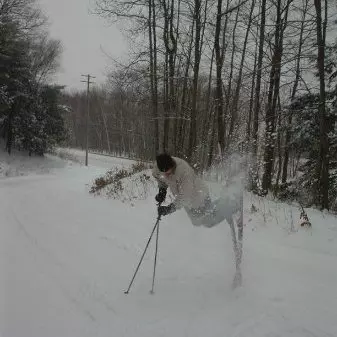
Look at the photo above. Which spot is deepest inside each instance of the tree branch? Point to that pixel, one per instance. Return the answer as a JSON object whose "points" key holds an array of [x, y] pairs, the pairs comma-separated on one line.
{"points": [[232, 9]]}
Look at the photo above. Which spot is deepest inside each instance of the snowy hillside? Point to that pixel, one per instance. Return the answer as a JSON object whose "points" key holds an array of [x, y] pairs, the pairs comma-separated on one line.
{"points": [[67, 256]]}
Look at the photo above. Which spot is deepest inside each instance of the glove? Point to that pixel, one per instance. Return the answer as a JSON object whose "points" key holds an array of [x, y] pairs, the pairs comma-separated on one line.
{"points": [[160, 197], [165, 210]]}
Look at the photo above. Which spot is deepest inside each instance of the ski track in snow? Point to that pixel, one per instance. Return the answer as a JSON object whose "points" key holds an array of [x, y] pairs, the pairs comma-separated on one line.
{"points": [[66, 258]]}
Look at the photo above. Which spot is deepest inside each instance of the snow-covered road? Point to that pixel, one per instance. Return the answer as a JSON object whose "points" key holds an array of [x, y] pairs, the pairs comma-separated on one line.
{"points": [[66, 258]]}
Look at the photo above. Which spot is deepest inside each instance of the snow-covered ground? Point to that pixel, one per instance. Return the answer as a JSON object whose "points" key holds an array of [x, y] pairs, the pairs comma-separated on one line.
{"points": [[66, 258]]}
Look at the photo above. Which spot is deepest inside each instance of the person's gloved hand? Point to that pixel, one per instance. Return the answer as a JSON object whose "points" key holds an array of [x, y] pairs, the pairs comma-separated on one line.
{"points": [[160, 197], [165, 210]]}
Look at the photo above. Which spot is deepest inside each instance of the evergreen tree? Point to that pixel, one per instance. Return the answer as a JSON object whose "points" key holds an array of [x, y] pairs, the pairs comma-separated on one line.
{"points": [[30, 114], [14, 76], [306, 138]]}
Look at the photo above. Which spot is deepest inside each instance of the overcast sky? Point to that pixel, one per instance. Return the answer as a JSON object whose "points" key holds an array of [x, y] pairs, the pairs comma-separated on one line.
{"points": [[82, 35]]}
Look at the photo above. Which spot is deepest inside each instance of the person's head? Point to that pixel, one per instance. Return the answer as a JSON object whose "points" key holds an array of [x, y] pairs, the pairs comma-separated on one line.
{"points": [[165, 163]]}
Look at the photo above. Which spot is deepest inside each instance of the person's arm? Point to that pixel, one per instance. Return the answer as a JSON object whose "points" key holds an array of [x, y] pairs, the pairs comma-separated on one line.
{"points": [[185, 186], [184, 181], [161, 196]]}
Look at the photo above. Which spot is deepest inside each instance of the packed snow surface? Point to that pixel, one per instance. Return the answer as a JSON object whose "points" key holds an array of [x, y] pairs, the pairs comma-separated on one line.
{"points": [[67, 256]]}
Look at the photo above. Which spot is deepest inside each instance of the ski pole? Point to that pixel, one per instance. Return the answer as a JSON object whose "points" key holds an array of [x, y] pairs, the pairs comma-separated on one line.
{"points": [[141, 259], [155, 260]]}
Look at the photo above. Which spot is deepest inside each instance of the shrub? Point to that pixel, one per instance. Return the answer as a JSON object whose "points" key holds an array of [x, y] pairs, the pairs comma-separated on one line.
{"points": [[113, 179]]}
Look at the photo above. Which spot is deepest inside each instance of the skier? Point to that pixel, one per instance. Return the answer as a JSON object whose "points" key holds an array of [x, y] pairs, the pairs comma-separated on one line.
{"points": [[191, 193]]}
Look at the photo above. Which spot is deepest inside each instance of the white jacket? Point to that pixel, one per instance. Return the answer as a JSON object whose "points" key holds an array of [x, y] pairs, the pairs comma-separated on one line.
{"points": [[189, 190]]}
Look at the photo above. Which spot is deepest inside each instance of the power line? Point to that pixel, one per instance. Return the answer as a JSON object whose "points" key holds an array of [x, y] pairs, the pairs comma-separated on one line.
{"points": [[88, 77]]}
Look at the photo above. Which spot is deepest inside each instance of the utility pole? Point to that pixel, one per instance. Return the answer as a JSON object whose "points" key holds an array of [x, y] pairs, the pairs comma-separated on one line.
{"points": [[88, 77]]}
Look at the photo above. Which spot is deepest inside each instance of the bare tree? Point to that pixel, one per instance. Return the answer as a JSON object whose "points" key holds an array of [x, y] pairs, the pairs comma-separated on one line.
{"points": [[153, 70], [182, 129], [170, 42], [196, 65], [45, 54], [239, 80], [26, 13], [322, 168], [219, 61], [256, 110], [294, 91], [230, 81], [273, 94]]}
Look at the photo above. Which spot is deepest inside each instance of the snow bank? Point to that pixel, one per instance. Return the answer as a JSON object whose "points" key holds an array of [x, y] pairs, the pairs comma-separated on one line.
{"points": [[20, 164]]}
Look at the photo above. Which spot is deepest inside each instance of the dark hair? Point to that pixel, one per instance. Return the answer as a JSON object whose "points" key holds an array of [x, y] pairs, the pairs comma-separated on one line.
{"points": [[165, 162]]}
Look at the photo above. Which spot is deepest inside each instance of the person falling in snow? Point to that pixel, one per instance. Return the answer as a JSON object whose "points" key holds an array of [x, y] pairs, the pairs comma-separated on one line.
{"points": [[190, 191]]}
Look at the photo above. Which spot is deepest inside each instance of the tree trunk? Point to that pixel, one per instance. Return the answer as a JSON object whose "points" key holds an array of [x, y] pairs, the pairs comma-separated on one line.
{"points": [[212, 143], [197, 56], [251, 103], [253, 171], [293, 94], [170, 43], [166, 106], [274, 89], [238, 86], [322, 169], [105, 126], [208, 126], [9, 130], [229, 90], [154, 77], [176, 121], [219, 59], [279, 147], [183, 104]]}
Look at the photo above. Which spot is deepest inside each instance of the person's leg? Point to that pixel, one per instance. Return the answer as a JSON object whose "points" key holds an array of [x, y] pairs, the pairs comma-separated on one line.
{"points": [[206, 215], [194, 217], [219, 210], [214, 212]]}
